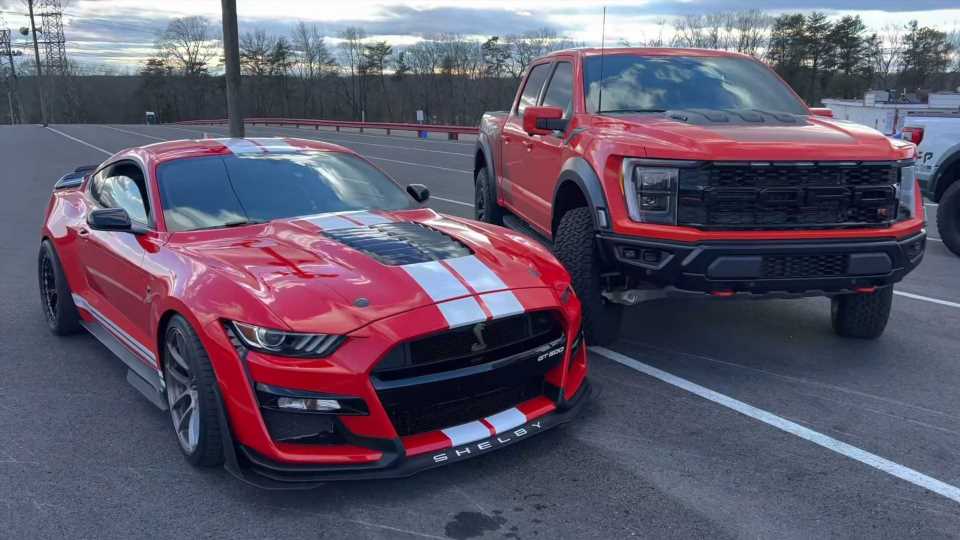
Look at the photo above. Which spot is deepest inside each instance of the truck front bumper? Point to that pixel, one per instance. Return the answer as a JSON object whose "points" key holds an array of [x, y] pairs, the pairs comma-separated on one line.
{"points": [[782, 268]]}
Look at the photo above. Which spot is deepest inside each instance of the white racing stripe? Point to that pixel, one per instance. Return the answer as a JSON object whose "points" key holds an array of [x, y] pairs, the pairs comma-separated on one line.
{"points": [[904, 473], [330, 222], [508, 419], [275, 145], [462, 312], [502, 304], [241, 147], [368, 218], [477, 275], [467, 433], [436, 280]]}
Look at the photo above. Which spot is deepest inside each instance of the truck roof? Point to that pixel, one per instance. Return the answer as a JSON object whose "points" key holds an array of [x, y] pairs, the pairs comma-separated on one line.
{"points": [[644, 51]]}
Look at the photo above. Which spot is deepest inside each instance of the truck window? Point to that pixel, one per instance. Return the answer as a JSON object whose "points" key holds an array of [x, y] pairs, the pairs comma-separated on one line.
{"points": [[560, 90], [531, 92]]}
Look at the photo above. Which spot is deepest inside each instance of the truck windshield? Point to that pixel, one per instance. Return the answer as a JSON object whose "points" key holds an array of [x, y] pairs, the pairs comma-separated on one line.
{"points": [[660, 83], [213, 192]]}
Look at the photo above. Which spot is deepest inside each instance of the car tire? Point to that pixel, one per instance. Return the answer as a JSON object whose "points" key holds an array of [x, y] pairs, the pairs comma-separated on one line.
{"points": [[948, 217], [55, 295], [575, 247], [862, 316], [190, 390], [485, 205]]}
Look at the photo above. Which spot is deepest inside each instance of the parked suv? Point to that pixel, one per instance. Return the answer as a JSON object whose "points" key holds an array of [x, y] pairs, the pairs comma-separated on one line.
{"points": [[659, 171]]}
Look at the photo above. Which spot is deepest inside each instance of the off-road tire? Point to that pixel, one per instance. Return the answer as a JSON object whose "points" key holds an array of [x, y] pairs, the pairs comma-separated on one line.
{"points": [[948, 217], [208, 451], [485, 207], [575, 247], [56, 299], [862, 316]]}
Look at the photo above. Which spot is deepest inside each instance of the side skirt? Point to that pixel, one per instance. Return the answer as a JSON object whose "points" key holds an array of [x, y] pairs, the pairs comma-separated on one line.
{"points": [[141, 376]]}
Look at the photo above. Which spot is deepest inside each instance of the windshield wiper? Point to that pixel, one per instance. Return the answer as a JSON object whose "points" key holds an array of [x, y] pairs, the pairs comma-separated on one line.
{"points": [[632, 111]]}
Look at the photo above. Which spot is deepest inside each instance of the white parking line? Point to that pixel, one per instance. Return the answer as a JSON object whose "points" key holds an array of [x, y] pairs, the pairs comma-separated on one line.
{"points": [[927, 299], [85, 143], [934, 238], [133, 133], [933, 204], [895, 469], [464, 171]]}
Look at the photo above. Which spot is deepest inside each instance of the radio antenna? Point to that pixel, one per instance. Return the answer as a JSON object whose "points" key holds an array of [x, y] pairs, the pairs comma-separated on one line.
{"points": [[603, 42]]}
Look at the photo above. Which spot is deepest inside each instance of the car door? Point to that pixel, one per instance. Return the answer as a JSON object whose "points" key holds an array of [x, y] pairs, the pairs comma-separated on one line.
{"points": [[545, 153], [517, 145], [113, 260]]}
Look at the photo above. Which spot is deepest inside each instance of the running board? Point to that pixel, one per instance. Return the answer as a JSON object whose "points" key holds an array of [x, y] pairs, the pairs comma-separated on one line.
{"points": [[513, 222], [141, 376]]}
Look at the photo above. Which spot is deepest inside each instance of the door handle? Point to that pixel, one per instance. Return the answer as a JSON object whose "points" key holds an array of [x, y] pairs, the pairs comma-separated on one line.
{"points": [[506, 140], [83, 231], [528, 145]]}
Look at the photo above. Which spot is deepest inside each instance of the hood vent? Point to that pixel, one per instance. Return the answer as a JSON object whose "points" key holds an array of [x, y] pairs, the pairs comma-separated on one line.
{"points": [[704, 117], [398, 244]]}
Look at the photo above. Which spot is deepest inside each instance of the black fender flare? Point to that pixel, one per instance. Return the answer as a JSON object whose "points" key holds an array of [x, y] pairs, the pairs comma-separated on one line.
{"points": [[939, 184], [484, 147], [578, 171]]}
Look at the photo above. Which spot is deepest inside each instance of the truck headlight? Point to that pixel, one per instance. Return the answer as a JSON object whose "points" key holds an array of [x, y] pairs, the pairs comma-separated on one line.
{"points": [[283, 343], [650, 192], [907, 192]]}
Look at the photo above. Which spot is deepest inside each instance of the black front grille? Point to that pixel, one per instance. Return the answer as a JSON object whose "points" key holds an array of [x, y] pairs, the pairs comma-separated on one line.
{"points": [[470, 345], [397, 244], [803, 266], [447, 379], [788, 196]]}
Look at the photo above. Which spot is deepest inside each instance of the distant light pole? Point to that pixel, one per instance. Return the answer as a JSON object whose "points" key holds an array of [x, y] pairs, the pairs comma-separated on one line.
{"points": [[231, 55], [36, 54]]}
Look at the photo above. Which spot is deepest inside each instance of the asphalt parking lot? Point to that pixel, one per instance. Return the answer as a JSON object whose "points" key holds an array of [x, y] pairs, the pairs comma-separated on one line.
{"points": [[712, 418]]}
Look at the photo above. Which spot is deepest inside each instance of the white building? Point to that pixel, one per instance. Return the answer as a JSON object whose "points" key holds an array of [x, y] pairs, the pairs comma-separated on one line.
{"points": [[875, 111]]}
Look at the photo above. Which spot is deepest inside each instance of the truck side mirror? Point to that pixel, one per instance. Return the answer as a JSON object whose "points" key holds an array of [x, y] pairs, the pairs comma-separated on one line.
{"points": [[419, 192], [821, 111], [543, 120]]}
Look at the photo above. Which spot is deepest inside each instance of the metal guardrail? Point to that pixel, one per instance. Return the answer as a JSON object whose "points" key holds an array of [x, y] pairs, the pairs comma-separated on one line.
{"points": [[453, 132]]}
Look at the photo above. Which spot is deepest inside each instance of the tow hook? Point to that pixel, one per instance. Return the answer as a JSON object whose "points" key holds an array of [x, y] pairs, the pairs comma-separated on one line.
{"points": [[632, 297]]}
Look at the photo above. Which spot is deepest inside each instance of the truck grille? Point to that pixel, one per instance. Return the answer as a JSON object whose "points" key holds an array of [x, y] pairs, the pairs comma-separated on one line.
{"points": [[447, 379], [731, 196]]}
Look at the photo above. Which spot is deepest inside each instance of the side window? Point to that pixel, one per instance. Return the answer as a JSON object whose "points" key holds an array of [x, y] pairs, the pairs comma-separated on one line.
{"points": [[122, 186], [531, 92], [123, 192], [560, 90]]}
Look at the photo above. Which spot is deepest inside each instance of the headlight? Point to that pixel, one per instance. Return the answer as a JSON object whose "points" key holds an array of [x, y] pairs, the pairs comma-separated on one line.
{"points": [[651, 192], [282, 343], [907, 192]]}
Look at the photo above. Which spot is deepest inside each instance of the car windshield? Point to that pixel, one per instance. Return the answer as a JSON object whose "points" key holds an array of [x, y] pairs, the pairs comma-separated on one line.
{"points": [[213, 192], [659, 83]]}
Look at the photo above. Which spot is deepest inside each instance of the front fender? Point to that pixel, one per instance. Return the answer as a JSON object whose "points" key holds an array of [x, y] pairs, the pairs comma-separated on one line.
{"points": [[579, 172]]}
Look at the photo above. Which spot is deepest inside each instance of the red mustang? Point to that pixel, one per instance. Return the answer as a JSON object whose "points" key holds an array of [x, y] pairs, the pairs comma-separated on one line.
{"points": [[302, 317]]}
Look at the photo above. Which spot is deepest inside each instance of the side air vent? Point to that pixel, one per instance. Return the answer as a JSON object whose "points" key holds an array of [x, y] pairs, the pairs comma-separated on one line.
{"points": [[397, 244]]}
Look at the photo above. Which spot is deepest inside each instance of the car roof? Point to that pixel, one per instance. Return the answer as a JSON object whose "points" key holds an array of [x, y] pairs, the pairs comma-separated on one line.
{"points": [[190, 148]]}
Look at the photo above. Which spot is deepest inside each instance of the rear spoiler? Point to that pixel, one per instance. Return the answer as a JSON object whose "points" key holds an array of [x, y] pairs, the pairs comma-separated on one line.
{"points": [[75, 178]]}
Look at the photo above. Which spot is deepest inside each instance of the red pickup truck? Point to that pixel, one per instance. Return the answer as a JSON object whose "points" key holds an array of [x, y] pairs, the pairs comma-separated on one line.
{"points": [[677, 171]]}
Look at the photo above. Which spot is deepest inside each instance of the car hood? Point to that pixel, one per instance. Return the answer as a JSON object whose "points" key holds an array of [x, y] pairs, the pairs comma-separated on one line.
{"points": [[334, 273], [810, 139]]}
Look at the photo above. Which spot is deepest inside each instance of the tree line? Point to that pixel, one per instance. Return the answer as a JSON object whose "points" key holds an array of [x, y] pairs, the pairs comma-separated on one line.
{"points": [[454, 79]]}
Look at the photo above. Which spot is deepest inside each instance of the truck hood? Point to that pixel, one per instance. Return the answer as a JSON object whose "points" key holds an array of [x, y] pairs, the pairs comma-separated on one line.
{"points": [[326, 274], [811, 138]]}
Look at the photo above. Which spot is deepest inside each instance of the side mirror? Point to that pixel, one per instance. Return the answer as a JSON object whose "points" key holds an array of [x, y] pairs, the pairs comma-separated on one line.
{"points": [[419, 192], [111, 219], [543, 120], [821, 111]]}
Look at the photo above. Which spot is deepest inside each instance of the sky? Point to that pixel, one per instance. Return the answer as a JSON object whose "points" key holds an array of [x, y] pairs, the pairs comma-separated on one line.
{"points": [[121, 33]]}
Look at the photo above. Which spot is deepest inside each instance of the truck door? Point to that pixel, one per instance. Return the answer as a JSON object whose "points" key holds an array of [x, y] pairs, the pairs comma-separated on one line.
{"points": [[516, 171], [545, 157]]}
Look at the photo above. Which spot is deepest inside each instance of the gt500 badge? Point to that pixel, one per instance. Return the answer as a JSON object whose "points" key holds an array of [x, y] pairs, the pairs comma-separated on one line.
{"points": [[551, 354], [488, 444]]}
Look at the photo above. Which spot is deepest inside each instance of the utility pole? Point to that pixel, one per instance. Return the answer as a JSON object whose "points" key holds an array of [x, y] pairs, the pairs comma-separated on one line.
{"points": [[36, 53], [231, 55]]}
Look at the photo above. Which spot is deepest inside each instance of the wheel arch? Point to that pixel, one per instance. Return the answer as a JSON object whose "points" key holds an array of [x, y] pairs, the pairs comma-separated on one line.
{"points": [[483, 157], [579, 185], [948, 172]]}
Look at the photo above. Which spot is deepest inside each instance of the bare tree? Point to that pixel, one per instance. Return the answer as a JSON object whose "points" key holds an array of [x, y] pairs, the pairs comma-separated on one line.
{"points": [[351, 50], [189, 44]]}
